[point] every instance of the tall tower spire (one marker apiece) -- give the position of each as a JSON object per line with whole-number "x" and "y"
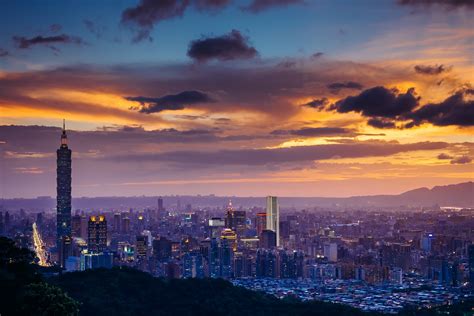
{"x": 63, "y": 135}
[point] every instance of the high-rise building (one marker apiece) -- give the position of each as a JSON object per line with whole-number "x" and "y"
{"x": 235, "y": 220}
{"x": 76, "y": 222}
{"x": 260, "y": 223}
{"x": 97, "y": 234}
{"x": 162, "y": 249}
{"x": 267, "y": 239}
{"x": 125, "y": 225}
{"x": 84, "y": 227}
{"x": 141, "y": 247}
{"x": 330, "y": 251}
{"x": 229, "y": 216}
{"x": 63, "y": 190}
{"x": 273, "y": 217}
{"x": 160, "y": 204}
{"x": 117, "y": 223}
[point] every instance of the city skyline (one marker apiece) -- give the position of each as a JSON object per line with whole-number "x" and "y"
{"x": 388, "y": 259}
{"x": 335, "y": 99}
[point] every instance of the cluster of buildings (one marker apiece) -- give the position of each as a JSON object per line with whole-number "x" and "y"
{"x": 335, "y": 255}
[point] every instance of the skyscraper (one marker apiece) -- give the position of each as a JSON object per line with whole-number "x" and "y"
{"x": 273, "y": 217}
{"x": 260, "y": 223}
{"x": 63, "y": 190}
{"x": 97, "y": 234}
{"x": 76, "y": 222}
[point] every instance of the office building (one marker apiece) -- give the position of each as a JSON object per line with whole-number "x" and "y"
{"x": 96, "y": 260}
{"x": 117, "y": 223}
{"x": 273, "y": 217}
{"x": 267, "y": 239}
{"x": 260, "y": 223}
{"x": 76, "y": 222}
{"x": 97, "y": 234}
{"x": 162, "y": 249}
{"x": 330, "y": 251}
{"x": 141, "y": 247}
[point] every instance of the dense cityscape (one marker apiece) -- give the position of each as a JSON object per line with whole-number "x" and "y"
{"x": 237, "y": 157}
{"x": 379, "y": 260}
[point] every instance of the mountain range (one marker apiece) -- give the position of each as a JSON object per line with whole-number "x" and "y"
{"x": 454, "y": 195}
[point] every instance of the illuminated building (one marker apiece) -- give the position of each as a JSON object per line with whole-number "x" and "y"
{"x": 63, "y": 198}
{"x": 141, "y": 247}
{"x": 140, "y": 223}
{"x": 235, "y": 220}
{"x": 229, "y": 217}
{"x": 273, "y": 217}
{"x": 97, "y": 234}
{"x": 96, "y": 260}
{"x": 193, "y": 265}
{"x": 230, "y": 236}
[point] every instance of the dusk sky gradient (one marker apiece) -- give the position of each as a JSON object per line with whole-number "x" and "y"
{"x": 246, "y": 98}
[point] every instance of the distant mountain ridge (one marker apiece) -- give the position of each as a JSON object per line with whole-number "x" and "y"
{"x": 455, "y": 195}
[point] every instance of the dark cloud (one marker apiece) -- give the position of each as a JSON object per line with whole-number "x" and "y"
{"x": 457, "y": 109}
{"x": 149, "y": 12}
{"x": 4, "y": 53}
{"x": 461, "y": 160}
{"x": 317, "y": 103}
{"x": 444, "y": 156}
{"x": 256, "y": 157}
{"x": 449, "y": 4}
{"x": 55, "y": 28}
{"x": 317, "y": 55}
{"x": 226, "y": 47}
{"x": 257, "y": 6}
{"x": 430, "y": 70}
{"x": 171, "y": 101}
{"x": 211, "y": 5}
{"x": 381, "y": 123}
{"x": 24, "y": 42}
{"x": 315, "y": 131}
{"x": 337, "y": 86}
{"x": 93, "y": 28}
{"x": 287, "y": 63}
{"x": 143, "y": 17}
{"x": 258, "y": 89}
{"x": 379, "y": 102}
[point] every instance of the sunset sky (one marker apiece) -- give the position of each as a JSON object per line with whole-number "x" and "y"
{"x": 246, "y": 98}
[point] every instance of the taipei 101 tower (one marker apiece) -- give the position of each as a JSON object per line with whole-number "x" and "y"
{"x": 63, "y": 206}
